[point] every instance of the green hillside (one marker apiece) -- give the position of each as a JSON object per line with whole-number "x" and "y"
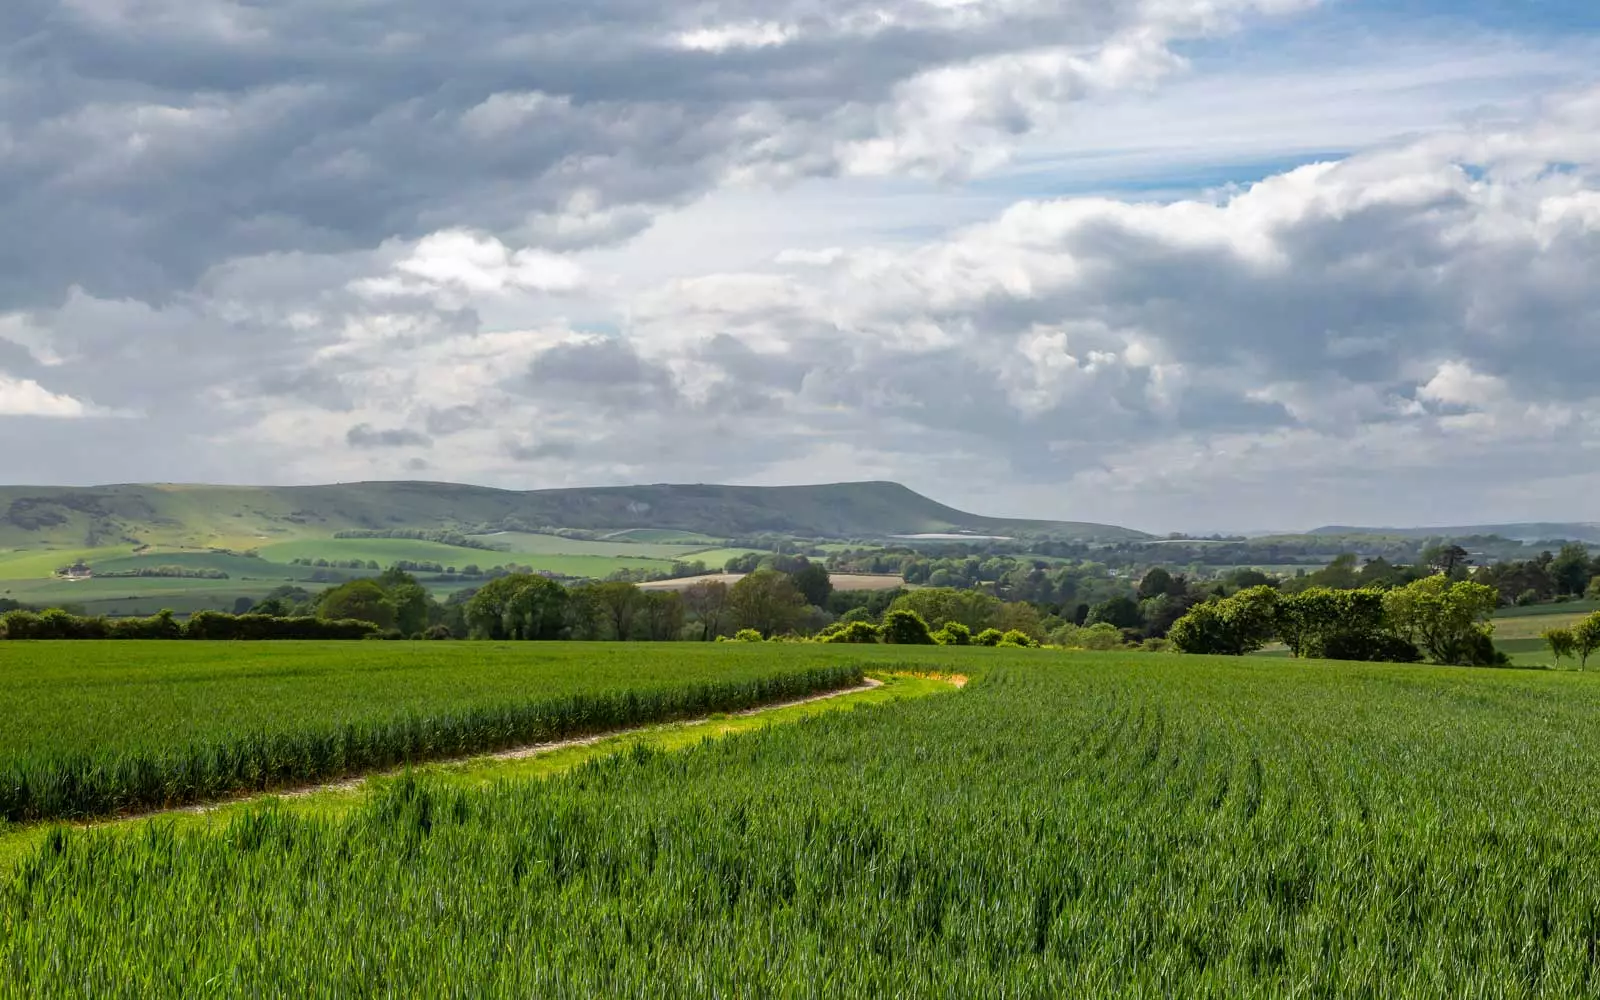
{"x": 1527, "y": 531}
{"x": 241, "y": 517}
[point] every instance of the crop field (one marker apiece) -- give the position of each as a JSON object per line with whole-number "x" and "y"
{"x": 96, "y": 727}
{"x": 1517, "y": 631}
{"x": 1068, "y": 825}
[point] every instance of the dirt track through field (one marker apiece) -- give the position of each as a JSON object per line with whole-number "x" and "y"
{"x": 534, "y": 749}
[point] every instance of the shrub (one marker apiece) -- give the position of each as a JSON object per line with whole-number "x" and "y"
{"x": 906, "y": 628}
{"x": 988, "y": 637}
{"x": 1375, "y": 647}
{"x": 747, "y": 635}
{"x": 1017, "y": 638}
{"x": 953, "y": 634}
{"x": 855, "y": 632}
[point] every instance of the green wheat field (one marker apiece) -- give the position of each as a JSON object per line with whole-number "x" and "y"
{"x": 1067, "y": 824}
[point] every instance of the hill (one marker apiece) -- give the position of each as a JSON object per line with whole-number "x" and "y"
{"x": 1534, "y": 531}
{"x": 247, "y": 517}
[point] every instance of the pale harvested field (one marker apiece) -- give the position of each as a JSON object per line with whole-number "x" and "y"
{"x": 841, "y": 581}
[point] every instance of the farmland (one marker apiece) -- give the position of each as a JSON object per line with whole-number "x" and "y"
{"x": 1069, "y": 824}
{"x": 92, "y": 727}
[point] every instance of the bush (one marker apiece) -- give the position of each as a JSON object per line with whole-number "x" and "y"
{"x": 988, "y": 637}
{"x": 1017, "y": 638}
{"x": 953, "y": 634}
{"x": 855, "y": 632}
{"x": 215, "y": 625}
{"x": 906, "y": 628}
{"x": 438, "y": 632}
{"x": 1379, "y": 647}
{"x": 1101, "y": 636}
{"x": 747, "y": 635}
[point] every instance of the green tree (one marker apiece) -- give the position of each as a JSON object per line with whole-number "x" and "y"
{"x": 1156, "y": 583}
{"x": 1448, "y": 559}
{"x": 707, "y": 601}
{"x": 1586, "y": 639}
{"x": 766, "y": 601}
{"x": 412, "y": 606}
{"x": 1232, "y": 626}
{"x": 519, "y": 606}
{"x": 1448, "y": 620}
{"x": 662, "y": 614}
{"x": 811, "y": 579}
{"x": 361, "y": 600}
{"x": 1123, "y": 612}
{"x": 1570, "y": 569}
{"x": 1561, "y": 641}
{"x": 937, "y": 605}
{"x": 620, "y": 603}
{"x": 906, "y": 628}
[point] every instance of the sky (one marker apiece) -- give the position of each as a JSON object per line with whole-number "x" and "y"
{"x": 1183, "y": 265}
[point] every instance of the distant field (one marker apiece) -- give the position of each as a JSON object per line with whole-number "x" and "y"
{"x": 717, "y": 558}
{"x": 384, "y": 550}
{"x": 841, "y": 581}
{"x": 664, "y": 536}
{"x": 1542, "y": 610}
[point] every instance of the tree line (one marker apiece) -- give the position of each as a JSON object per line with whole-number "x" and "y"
{"x": 1447, "y": 620}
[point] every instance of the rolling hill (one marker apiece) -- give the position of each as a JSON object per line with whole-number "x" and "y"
{"x": 1533, "y": 531}
{"x": 243, "y": 517}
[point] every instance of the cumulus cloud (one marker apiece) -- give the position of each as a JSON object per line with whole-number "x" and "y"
{"x": 311, "y": 254}
{"x": 146, "y": 142}
{"x": 27, "y": 398}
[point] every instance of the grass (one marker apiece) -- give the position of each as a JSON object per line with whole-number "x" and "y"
{"x": 88, "y": 728}
{"x": 618, "y": 547}
{"x": 483, "y": 771}
{"x": 1069, "y": 825}
{"x": 664, "y": 536}
{"x": 1542, "y": 610}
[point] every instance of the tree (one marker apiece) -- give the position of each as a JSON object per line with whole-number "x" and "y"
{"x": 519, "y": 606}
{"x": 811, "y": 579}
{"x": 1156, "y": 583}
{"x": 1448, "y": 620}
{"x": 1232, "y": 626}
{"x": 707, "y": 601}
{"x": 1446, "y": 559}
{"x": 1123, "y": 612}
{"x": 1562, "y": 643}
{"x": 1586, "y": 639}
{"x": 766, "y": 601}
{"x": 361, "y": 600}
{"x": 906, "y": 628}
{"x": 663, "y": 614}
{"x": 937, "y": 605}
{"x": 1019, "y": 616}
{"x": 619, "y": 603}
{"x": 1570, "y": 569}
{"x": 1337, "y": 625}
{"x": 411, "y": 605}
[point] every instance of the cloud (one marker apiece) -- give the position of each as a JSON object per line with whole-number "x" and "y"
{"x": 146, "y": 143}
{"x": 309, "y": 261}
{"x": 367, "y": 436}
{"x": 27, "y": 398}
